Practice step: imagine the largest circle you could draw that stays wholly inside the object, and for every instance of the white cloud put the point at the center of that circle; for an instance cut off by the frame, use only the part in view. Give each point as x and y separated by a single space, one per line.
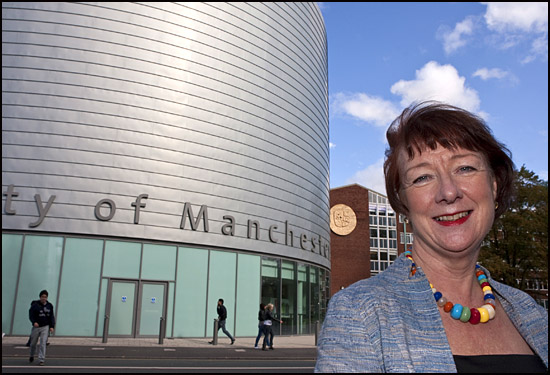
371 177
519 22
433 82
524 17
371 109
486 74
437 82
454 39
496 73
539 47
511 23
331 145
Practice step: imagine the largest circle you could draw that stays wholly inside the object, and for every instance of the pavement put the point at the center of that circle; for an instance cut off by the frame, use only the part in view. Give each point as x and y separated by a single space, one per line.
87 347
302 341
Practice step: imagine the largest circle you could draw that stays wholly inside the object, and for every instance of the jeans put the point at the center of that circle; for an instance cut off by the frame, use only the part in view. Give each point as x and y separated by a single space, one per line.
221 324
42 333
260 333
268 339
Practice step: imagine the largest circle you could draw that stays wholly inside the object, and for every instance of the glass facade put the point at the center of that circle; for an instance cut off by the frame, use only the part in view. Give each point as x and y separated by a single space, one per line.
299 293
136 283
383 233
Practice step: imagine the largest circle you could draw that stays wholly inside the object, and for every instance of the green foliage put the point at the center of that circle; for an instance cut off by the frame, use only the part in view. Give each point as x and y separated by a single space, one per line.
516 248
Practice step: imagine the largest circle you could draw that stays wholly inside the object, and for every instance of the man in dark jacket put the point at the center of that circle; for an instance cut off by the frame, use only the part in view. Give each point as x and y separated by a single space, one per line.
30 309
43 321
222 316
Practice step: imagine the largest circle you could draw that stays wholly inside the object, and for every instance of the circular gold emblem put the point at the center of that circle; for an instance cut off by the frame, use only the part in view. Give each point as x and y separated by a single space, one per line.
342 219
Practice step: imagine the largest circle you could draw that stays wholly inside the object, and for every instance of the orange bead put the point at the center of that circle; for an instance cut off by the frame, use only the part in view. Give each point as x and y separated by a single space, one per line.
448 306
478 273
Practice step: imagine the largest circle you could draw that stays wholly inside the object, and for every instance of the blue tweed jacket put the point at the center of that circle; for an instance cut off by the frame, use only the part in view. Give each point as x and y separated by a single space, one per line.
391 323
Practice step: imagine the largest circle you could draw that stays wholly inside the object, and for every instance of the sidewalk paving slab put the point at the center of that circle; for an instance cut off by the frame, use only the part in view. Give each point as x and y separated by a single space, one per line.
286 348
305 341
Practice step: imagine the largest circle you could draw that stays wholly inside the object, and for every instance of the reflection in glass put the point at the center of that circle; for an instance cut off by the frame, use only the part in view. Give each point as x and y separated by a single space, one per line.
303 300
288 306
271 289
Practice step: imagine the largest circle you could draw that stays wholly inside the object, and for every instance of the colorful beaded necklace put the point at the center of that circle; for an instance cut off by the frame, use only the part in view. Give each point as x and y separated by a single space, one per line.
463 313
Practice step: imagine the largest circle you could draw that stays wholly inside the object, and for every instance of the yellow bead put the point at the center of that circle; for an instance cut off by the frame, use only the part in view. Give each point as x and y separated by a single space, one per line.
486 288
490 309
484 314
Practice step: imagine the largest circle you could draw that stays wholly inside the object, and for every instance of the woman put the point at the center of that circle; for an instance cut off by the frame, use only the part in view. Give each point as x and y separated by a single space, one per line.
448 175
268 329
261 318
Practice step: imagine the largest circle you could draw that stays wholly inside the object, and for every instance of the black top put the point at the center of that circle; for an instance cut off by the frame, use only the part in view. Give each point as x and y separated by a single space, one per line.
511 363
42 314
261 315
268 316
222 312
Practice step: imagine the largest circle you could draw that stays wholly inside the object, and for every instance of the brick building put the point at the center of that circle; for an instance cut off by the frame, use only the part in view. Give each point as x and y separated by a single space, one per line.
366 236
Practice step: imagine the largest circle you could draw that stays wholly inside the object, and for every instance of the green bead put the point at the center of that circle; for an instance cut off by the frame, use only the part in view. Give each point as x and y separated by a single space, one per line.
465 316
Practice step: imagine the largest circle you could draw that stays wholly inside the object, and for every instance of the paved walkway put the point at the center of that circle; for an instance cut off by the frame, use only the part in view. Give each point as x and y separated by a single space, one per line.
307 341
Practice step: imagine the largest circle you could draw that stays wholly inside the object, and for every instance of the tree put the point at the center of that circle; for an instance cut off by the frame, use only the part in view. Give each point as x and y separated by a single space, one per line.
516 247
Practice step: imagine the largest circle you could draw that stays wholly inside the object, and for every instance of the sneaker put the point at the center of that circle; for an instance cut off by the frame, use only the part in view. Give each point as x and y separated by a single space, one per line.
211 342
31 359
41 363
271 348
256 347
232 341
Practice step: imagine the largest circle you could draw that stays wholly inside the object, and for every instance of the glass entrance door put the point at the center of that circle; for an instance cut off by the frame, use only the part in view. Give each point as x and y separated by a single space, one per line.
152 308
136 307
122 308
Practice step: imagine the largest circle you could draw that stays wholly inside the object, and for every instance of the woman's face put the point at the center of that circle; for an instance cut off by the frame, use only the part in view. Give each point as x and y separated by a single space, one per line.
450 195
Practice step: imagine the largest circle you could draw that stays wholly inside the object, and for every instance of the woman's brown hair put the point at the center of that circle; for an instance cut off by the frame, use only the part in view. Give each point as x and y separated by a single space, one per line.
427 125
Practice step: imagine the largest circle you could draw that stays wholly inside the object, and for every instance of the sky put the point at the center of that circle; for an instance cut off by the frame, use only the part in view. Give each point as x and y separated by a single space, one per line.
488 58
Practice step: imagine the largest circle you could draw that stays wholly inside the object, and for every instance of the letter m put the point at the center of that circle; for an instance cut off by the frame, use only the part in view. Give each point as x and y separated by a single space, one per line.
188 211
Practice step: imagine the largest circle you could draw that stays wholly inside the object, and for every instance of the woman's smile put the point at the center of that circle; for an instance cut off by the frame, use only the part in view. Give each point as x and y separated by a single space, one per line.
453 219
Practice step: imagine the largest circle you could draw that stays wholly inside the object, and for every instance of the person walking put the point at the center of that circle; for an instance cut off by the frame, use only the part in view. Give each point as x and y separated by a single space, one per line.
268 329
222 317
30 335
42 318
261 318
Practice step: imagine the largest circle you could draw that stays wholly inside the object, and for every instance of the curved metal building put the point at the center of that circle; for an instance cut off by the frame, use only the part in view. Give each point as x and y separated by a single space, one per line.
149 145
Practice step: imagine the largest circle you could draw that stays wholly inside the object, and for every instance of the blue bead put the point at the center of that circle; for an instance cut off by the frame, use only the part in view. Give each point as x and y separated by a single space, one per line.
456 312
477 266
437 295
488 295
481 277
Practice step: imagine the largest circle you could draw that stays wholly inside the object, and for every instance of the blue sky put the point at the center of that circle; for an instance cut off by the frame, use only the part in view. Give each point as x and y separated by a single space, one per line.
489 58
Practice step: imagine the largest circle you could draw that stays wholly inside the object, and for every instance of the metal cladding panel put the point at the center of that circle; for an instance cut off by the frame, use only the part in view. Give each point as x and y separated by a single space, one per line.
216 105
